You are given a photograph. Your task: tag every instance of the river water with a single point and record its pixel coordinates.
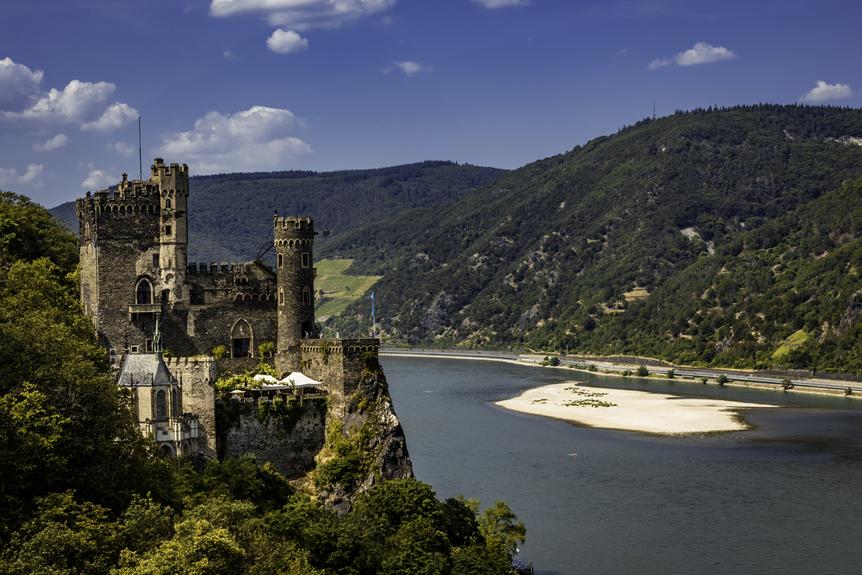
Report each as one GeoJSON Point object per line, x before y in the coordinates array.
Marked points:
{"type": "Point", "coordinates": [783, 498]}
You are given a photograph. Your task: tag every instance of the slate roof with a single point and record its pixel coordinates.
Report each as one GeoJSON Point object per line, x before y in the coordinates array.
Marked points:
{"type": "Point", "coordinates": [144, 369]}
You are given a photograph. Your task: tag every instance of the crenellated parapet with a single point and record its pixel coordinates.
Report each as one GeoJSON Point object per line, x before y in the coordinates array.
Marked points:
{"type": "Point", "coordinates": [339, 363]}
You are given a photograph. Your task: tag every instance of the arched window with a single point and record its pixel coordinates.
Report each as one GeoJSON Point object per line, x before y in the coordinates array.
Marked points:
{"type": "Point", "coordinates": [241, 339]}
{"type": "Point", "coordinates": [167, 203]}
{"type": "Point", "coordinates": [144, 292]}
{"type": "Point", "coordinates": [161, 405]}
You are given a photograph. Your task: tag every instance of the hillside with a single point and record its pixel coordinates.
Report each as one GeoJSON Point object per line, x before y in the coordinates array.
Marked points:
{"type": "Point", "coordinates": [725, 237]}
{"type": "Point", "coordinates": [230, 215]}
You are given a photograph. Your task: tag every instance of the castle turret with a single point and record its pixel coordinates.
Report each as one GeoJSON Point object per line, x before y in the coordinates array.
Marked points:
{"type": "Point", "coordinates": [173, 183]}
{"type": "Point", "coordinates": [294, 241]}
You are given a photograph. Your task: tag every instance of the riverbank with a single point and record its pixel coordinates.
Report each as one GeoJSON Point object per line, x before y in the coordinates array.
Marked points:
{"type": "Point", "coordinates": [730, 378]}
{"type": "Point", "coordinates": [630, 410]}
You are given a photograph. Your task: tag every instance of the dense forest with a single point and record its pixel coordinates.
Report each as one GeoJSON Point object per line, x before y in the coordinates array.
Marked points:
{"type": "Point", "coordinates": [230, 215]}
{"type": "Point", "coordinates": [81, 491]}
{"type": "Point", "coordinates": [728, 237]}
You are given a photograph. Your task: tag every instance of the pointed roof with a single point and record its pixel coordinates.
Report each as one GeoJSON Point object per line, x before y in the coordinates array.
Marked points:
{"type": "Point", "coordinates": [144, 369]}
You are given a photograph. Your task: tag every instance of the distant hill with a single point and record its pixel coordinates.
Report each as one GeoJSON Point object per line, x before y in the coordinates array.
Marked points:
{"type": "Point", "coordinates": [230, 215]}
{"type": "Point", "coordinates": [722, 236]}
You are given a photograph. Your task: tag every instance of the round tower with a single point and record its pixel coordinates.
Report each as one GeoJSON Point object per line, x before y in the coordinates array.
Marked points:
{"type": "Point", "coordinates": [173, 185]}
{"type": "Point", "coordinates": [294, 242]}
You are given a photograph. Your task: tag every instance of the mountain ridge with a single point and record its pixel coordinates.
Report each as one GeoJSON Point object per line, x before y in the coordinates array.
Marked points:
{"type": "Point", "coordinates": [565, 252]}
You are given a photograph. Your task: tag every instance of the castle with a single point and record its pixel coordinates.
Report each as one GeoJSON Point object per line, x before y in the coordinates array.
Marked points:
{"type": "Point", "coordinates": [163, 319]}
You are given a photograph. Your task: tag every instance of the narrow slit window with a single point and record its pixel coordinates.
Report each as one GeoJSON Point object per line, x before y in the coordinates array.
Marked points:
{"type": "Point", "coordinates": [306, 259]}
{"type": "Point", "coordinates": [167, 230]}
{"type": "Point", "coordinates": [280, 260]}
{"type": "Point", "coordinates": [281, 297]}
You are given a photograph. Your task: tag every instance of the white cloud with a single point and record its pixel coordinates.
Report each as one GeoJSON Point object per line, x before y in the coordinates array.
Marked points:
{"type": "Point", "coordinates": [492, 4]}
{"type": "Point", "coordinates": [116, 116]}
{"type": "Point", "coordinates": [660, 63]}
{"type": "Point", "coordinates": [286, 41]}
{"type": "Point", "coordinates": [302, 14]}
{"type": "Point", "coordinates": [823, 91]}
{"type": "Point", "coordinates": [700, 53]}
{"type": "Point", "coordinates": [57, 141]}
{"type": "Point", "coordinates": [18, 84]}
{"type": "Point", "coordinates": [97, 179]}
{"type": "Point", "coordinates": [30, 177]}
{"type": "Point", "coordinates": [228, 55]}
{"type": "Point", "coordinates": [255, 139]}
{"type": "Point", "coordinates": [409, 67]}
{"type": "Point", "coordinates": [76, 102]}
{"type": "Point", "coordinates": [123, 149]}
{"type": "Point", "coordinates": [79, 102]}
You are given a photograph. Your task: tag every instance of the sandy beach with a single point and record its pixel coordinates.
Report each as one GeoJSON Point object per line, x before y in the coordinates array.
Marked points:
{"type": "Point", "coordinates": [629, 410]}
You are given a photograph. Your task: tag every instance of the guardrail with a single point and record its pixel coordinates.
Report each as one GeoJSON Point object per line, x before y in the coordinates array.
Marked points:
{"type": "Point", "coordinates": [848, 387]}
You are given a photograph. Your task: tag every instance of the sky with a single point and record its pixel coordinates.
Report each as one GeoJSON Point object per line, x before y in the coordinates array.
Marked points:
{"type": "Point", "coordinates": [262, 85]}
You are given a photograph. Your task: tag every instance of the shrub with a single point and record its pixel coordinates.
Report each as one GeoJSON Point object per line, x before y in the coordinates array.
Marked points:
{"type": "Point", "coordinates": [219, 351]}
{"type": "Point", "coordinates": [642, 371]}
{"type": "Point", "coordinates": [722, 379]}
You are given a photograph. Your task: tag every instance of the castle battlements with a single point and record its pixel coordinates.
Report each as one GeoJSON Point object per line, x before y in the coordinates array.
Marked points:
{"type": "Point", "coordinates": [351, 347]}
{"type": "Point", "coordinates": [187, 362]}
{"type": "Point", "coordinates": [225, 268]}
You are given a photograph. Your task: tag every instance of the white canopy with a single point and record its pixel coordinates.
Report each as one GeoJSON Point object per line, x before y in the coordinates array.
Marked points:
{"type": "Point", "coordinates": [295, 379]}
{"type": "Point", "coordinates": [301, 380]}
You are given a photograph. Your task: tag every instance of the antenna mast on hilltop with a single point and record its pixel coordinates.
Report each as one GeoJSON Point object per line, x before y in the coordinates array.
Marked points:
{"type": "Point", "coordinates": [140, 153]}
{"type": "Point", "coordinates": [373, 313]}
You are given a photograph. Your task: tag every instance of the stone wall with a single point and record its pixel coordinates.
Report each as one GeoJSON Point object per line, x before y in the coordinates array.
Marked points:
{"type": "Point", "coordinates": [289, 439]}
{"type": "Point", "coordinates": [339, 363]}
{"type": "Point", "coordinates": [209, 326]}
{"type": "Point", "coordinates": [196, 378]}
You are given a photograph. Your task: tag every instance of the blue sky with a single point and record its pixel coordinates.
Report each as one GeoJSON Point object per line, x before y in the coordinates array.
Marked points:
{"type": "Point", "coordinates": [239, 85]}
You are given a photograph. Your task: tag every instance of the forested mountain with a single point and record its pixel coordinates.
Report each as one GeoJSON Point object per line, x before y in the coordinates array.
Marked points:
{"type": "Point", "coordinates": [720, 236]}
{"type": "Point", "coordinates": [230, 215]}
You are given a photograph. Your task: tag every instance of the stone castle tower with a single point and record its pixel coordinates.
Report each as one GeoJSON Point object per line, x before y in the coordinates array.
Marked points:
{"type": "Point", "coordinates": [125, 289]}
{"type": "Point", "coordinates": [294, 244]}
{"type": "Point", "coordinates": [173, 184]}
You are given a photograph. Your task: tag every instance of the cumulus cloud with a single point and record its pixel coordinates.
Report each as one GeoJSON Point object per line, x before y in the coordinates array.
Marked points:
{"type": "Point", "coordinates": [57, 141]}
{"type": "Point", "coordinates": [123, 149]}
{"type": "Point", "coordinates": [409, 67]}
{"type": "Point", "coordinates": [823, 92]}
{"type": "Point", "coordinates": [30, 177]}
{"type": "Point", "coordinates": [97, 179]}
{"type": "Point", "coordinates": [81, 103]}
{"type": "Point", "coordinates": [255, 139]}
{"type": "Point", "coordinates": [18, 84]}
{"type": "Point", "coordinates": [77, 102]}
{"type": "Point", "coordinates": [700, 53]}
{"type": "Point", "coordinates": [302, 14]}
{"type": "Point", "coordinates": [286, 41]}
{"type": "Point", "coordinates": [492, 4]}
{"type": "Point", "coordinates": [116, 116]}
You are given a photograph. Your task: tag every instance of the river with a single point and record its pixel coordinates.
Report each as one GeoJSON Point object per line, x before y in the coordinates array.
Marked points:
{"type": "Point", "coordinates": [784, 497]}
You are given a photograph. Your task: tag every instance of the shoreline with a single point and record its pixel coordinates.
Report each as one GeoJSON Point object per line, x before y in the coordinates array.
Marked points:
{"type": "Point", "coordinates": [605, 373]}
{"type": "Point", "coordinates": [632, 410]}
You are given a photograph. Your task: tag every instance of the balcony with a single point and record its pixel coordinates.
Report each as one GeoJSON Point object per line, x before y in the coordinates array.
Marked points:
{"type": "Point", "coordinates": [136, 309]}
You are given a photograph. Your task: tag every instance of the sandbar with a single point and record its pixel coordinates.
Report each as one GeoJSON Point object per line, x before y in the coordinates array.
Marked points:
{"type": "Point", "coordinates": [630, 410]}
